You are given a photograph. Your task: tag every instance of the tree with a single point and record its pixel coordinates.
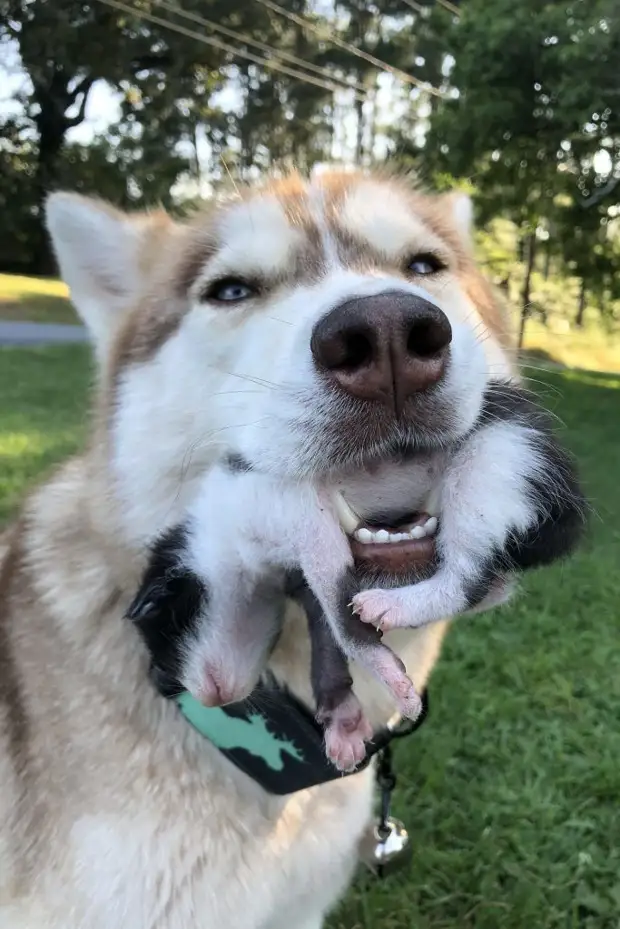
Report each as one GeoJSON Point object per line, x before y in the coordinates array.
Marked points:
{"type": "Point", "coordinates": [522, 116]}
{"type": "Point", "coordinates": [66, 47]}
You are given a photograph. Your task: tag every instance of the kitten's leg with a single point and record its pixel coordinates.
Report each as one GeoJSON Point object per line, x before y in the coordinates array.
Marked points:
{"type": "Point", "coordinates": [346, 728]}
{"type": "Point", "coordinates": [324, 556]}
{"type": "Point", "coordinates": [209, 608]}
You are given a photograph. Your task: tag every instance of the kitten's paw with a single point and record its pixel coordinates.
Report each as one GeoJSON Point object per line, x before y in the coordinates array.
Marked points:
{"type": "Point", "coordinates": [346, 734]}
{"type": "Point", "coordinates": [382, 609]}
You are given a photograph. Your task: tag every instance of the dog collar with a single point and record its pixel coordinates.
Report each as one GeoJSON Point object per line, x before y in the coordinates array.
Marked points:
{"type": "Point", "coordinates": [274, 739]}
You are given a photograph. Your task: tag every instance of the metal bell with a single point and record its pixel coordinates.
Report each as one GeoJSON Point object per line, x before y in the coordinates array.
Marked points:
{"type": "Point", "coordinates": [386, 848]}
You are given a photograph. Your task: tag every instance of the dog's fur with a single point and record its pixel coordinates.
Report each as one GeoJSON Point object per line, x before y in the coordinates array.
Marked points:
{"type": "Point", "coordinates": [113, 811]}
{"type": "Point", "coordinates": [507, 499]}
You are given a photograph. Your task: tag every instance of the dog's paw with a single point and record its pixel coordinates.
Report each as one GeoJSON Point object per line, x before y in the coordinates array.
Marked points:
{"type": "Point", "coordinates": [346, 734]}
{"type": "Point", "coordinates": [382, 609]}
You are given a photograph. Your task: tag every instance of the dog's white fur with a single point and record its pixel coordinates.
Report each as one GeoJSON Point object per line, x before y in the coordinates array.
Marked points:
{"type": "Point", "coordinates": [113, 812]}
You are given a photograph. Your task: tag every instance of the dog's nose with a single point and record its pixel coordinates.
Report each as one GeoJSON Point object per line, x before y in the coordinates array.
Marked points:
{"type": "Point", "coordinates": [384, 348]}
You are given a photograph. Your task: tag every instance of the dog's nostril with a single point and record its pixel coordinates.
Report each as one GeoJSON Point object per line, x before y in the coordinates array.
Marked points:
{"type": "Point", "coordinates": [428, 337]}
{"type": "Point", "coordinates": [345, 350]}
{"type": "Point", "coordinates": [358, 351]}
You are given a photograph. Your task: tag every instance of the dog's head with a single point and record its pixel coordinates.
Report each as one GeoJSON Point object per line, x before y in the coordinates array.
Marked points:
{"type": "Point", "coordinates": [306, 327]}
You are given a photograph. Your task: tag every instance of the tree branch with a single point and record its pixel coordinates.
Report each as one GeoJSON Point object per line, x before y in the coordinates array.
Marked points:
{"type": "Point", "coordinates": [85, 86]}
{"type": "Point", "coordinates": [600, 194]}
{"type": "Point", "coordinates": [11, 29]}
{"type": "Point", "coordinates": [149, 61]}
{"type": "Point", "coordinates": [81, 87]}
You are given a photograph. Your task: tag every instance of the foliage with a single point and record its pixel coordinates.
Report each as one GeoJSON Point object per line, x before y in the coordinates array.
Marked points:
{"type": "Point", "coordinates": [529, 120]}
{"type": "Point", "coordinates": [538, 99]}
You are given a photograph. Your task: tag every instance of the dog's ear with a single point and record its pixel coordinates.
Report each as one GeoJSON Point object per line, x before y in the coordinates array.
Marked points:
{"type": "Point", "coordinates": [462, 209]}
{"type": "Point", "coordinates": [103, 255]}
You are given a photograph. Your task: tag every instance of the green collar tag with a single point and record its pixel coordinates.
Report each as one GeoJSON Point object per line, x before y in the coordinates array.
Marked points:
{"type": "Point", "coordinates": [272, 737]}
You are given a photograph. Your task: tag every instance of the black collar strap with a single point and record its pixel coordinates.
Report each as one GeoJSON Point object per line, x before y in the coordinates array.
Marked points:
{"type": "Point", "coordinates": [274, 739]}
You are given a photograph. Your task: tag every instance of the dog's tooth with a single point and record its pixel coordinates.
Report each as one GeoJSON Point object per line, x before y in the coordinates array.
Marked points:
{"type": "Point", "coordinates": [348, 518]}
{"type": "Point", "coordinates": [417, 532]}
{"type": "Point", "coordinates": [382, 536]}
{"type": "Point", "coordinates": [432, 504]}
{"type": "Point", "coordinates": [430, 525]}
{"type": "Point", "coordinates": [363, 535]}
{"type": "Point", "coordinates": [398, 537]}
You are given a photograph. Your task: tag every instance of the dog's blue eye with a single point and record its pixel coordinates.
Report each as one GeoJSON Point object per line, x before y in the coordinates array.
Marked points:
{"type": "Point", "coordinates": [229, 290]}
{"type": "Point", "coordinates": [425, 264]}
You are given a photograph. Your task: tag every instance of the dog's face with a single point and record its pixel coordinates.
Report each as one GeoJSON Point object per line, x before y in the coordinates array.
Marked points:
{"type": "Point", "coordinates": [310, 329]}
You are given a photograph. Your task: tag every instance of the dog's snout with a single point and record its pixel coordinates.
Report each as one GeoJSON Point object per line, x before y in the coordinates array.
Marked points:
{"type": "Point", "coordinates": [384, 348]}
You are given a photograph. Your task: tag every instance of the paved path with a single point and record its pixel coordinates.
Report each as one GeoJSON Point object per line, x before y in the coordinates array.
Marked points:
{"type": "Point", "coordinates": [18, 333]}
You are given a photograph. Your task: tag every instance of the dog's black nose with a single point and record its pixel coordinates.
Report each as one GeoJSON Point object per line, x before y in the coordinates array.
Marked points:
{"type": "Point", "coordinates": [383, 348]}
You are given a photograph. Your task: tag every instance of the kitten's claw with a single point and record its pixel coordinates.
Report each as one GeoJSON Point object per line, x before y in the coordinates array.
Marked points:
{"type": "Point", "coordinates": [382, 609]}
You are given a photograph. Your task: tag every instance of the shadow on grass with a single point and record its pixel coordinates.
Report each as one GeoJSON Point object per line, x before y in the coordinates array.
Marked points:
{"type": "Point", "coordinates": [531, 356]}
{"type": "Point", "coordinates": [37, 308]}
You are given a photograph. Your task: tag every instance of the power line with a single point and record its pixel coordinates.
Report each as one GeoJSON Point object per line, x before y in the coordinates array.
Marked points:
{"type": "Point", "coordinates": [223, 46]}
{"type": "Point", "coordinates": [444, 3]}
{"type": "Point", "coordinates": [415, 6]}
{"type": "Point", "coordinates": [451, 7]}
{"type": "Point", "coordinates": [336, 40]}
{"type": "Point", "coordinates": [278, 54]}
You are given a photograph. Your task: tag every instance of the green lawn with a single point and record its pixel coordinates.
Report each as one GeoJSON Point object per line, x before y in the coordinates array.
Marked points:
{"type": "Point", "coordinates": [511, 790]}
{"type": "Point", "coordinates": [43, 411]}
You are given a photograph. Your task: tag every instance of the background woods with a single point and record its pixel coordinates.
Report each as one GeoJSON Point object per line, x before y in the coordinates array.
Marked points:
{"type": "Point", "coordinates": [144, 101]}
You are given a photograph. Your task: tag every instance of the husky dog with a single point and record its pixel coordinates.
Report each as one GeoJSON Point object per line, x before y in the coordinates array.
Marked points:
{"type": "Point", "coordinates": [507, 498]}
{"type": "Point", "coordinates": [302, 325]}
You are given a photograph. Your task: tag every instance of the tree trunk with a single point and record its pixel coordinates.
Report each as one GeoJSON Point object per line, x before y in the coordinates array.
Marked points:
{"type": "Point", "coordinates": [530, 255]}
{"type": "Point", "coordinates": [52, 122]}
{"type": "Point", "coordinates": [547, 265]}
{"type": "Point", "coordinates": [581, 305]}
{"type": "Point", "coordinates": [359, 136]}
{"type": "Point", "coordinates": [372, 121]}
{"type": "Point", "coordinates": [51, 138]}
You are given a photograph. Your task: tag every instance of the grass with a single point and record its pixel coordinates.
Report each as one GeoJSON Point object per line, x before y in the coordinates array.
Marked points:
{"type": "Point", "coordinates": [511, 790]}
{"type": "Point", "coordinates": [35, 299]}
{"type": "Point", "coordinates": [591, 348]}
{"type": "Point", "coordinates": [42, 414]}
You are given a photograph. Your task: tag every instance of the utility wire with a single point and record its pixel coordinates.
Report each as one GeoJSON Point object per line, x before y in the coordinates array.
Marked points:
{"type": "Point", "coordinates": [444, 3]}
{"type": "Point", "coordinates": [330, 36]}
{"type": "Point", "coordinates": [451, 7]}
{"type": "Point", "coordinates": [235, 52]}
{"type": "Point", "coordinates": [415, 6]}
{"type": "Point", "coordinates": [278, 54]}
